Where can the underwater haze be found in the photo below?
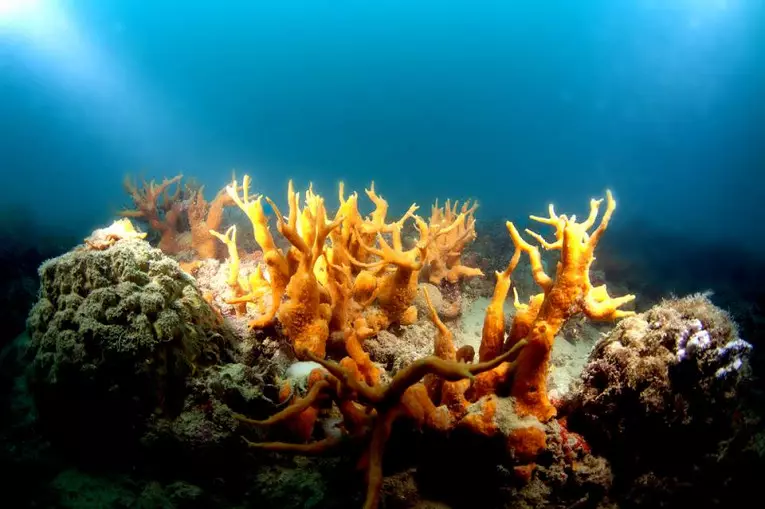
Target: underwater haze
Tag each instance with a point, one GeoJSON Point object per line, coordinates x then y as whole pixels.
{"type": "Point", "coordinates": [515, 104]}
{"type": "Point", "coordinates": [503, 353]}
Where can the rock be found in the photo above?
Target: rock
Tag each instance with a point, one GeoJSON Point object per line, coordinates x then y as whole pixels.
{"type": "Point", "coordinates": [115, 335]}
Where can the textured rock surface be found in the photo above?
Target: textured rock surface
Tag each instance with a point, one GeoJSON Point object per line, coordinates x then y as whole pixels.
{"type": "Point", "coordinates": [114, 336]}
{"type": "Point", "coordinates": [661, 397]}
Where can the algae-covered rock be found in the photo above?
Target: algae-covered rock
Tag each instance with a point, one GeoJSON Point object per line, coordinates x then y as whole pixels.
{"type": "Point", "coordinates": [673, 369]}
{"type": "Point", "coordinates": [662, 397]}
{"type": "Point", "coordinates": [116, 333]}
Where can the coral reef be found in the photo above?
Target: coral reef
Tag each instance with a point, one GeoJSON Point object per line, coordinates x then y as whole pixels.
{"type": "Point", "coordinates": [246, 366]}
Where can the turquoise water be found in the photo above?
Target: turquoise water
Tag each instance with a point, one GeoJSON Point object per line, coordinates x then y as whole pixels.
{"type": "Point", "coordinates": [514, 105]}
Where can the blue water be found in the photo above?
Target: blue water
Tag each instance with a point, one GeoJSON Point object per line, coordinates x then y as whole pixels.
{"type": "Point", "coordinates": [513, 103]}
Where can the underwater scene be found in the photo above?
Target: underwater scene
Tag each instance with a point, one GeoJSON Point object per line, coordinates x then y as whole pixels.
{"type": "Point", "coordinates": [384, 254]}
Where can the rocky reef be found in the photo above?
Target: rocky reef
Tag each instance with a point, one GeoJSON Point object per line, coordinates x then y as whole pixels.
{"type": "Point", "coordinates": [115, 337]}
{"type": "Point", "coordinates": [664, 397]}
{"type": "Point", "coordinates": [347, 364]}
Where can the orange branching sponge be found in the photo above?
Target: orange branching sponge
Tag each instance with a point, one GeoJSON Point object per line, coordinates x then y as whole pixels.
{"type": "Point", "coordinates": [354, 336]}
{"type": "Point", "coordinates": [344, 240]}
{"type": "Point", "coordinates": [445, 255]}
{"type": "Point", "coordinates": [570, 292]}
{"type": "Point", "coordinates": [336, 279]}
{"type": "Point", "coordinates": [365, 288]}
{"type": "Point", "coordinates": [395, 290]}
{"type": "Point", "coordinates": [493, 334]}
{"type": "Point", "coordinates": [251, 289]}
{"type": "Point", "coordinates": [392, 279]}
{"type": "Point", "coordinates": [441, 392]}
{"type": "Point", "coordinates": [163, 210]}
{"type": "Point", "coordinates": [229, 239]}
{"type": "Point", "coordinates": [277, 264]}
{"type": "Point", "coordinates": [306, 312]}
{"type": "Point", "coordinates": [368, 229]}
{"type": "Point", "coordinates": [204, 217]}
{"type": "Point", "coordinates": [330, 277]}
{"type": "Point", "coordinates": [300, 416]}
{"type": "Point", "coordinates": [162, 217]}
{"type": "Point", "coordinates": [353, 243]}
{"type": "Point", "coordinates": [370, 412]}
{"type": "Point", "coordinates": [525, 314]}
